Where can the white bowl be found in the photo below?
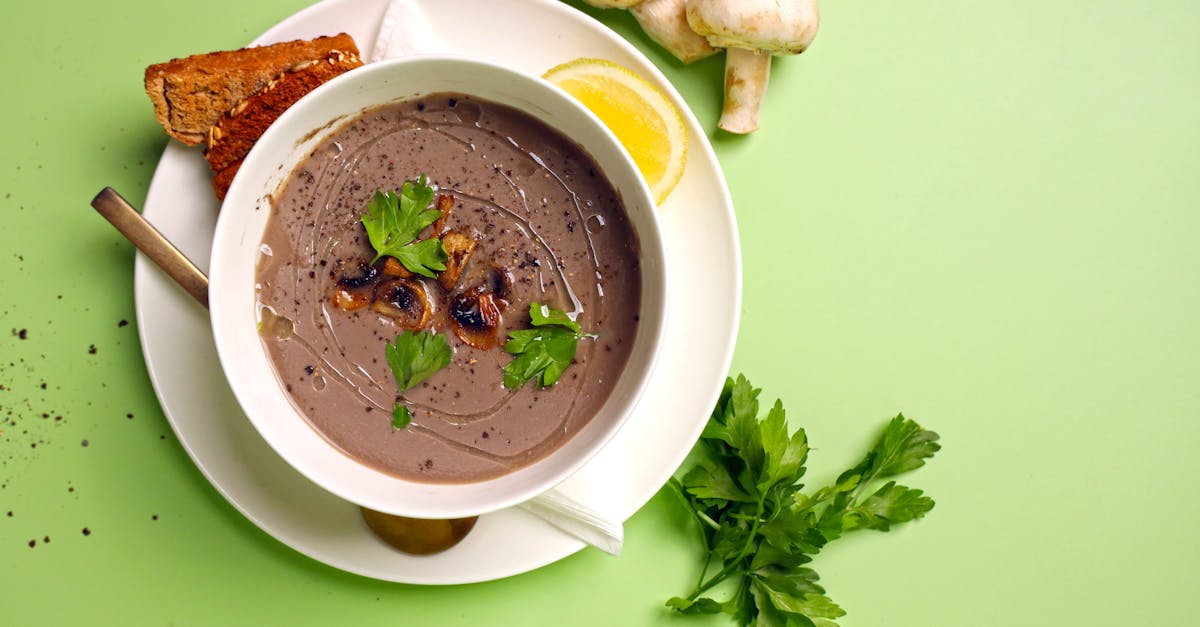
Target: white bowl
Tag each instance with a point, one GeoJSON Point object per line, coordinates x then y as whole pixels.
{"type": "Point", "coordinates": [235, 255]}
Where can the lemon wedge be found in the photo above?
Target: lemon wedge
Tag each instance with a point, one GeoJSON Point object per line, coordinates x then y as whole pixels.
{"type": "Point", "coordinates": [641, 116]}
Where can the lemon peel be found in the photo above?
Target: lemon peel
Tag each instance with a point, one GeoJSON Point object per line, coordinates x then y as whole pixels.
{"type": "Point", "coordinates": [644, 119]}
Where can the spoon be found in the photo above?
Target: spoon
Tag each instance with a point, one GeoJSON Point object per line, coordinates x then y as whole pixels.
{"type": "Point", "coordinates": [410, 535]}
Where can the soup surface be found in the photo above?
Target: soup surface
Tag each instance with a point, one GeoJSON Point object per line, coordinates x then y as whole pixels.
{"type": "Point", "coordinates": [548, 228]}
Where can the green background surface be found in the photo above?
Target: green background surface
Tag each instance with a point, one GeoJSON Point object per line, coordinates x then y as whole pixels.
{"type": "Point", "coordinates": [981, 214]}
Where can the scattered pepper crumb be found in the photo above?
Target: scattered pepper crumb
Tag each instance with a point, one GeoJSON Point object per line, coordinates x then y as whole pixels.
{"type": "Point", "coordinates": [87, 532]}
{"type": "Point", "coordinates": [119, 324]}
{"type": "Point", "coordinates": [92, 349]}
{"type": "Point", "coordinates": [84, 443]}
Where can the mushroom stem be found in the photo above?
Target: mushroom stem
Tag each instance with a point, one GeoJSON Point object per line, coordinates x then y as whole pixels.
{"type": "Point", "coordinates": [665, 21]}
{"type": "Point", "coordinates": [746, 75]}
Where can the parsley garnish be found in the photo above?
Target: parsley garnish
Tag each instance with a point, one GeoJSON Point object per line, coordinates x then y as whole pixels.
{"type": "Point", "coordinates": [415, 356]}
{"type": "Point", "coordinates": [544, 351]}
{"type": "Point", "coordinates": [757, 524]}
{"type": "Point", "coordinates": [543, 315]}
{"type": "Point", "coordinates": [401, 416]}
{"type": "Point", "coordinates": [393, 221]}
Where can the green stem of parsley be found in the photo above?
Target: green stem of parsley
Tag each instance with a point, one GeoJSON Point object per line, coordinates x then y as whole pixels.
{"type": "Point", "coordinates": [725, 572]}
{"type": "Point", "coordinates": [702, 518]}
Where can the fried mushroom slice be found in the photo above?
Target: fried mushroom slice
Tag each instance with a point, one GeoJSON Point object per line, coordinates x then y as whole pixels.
{"type": "Point", "coordinates": [366, 275]}
{"type": "Point", "coordinates": [350, 300]}
{"type": "Point", "coordinates": [403, 300]}
{"type": "Point", "coordinates": [459, 247]}
{"type": "Point", "coordinates": [393, 267]}
{"type": "Point", "coordinates": [475, 319]}
{"type": "Point", "coordinates": [498, 281]}
{"type": "Point", "coordinates": [445, 203]}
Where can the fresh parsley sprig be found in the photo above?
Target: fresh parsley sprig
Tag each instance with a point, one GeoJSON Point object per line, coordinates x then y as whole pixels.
{"type": "Point", "coordinates": [393, 221]}
{"type": "Point", "coordinates": [413, 358]}
{"type": "Point", "coordinates": [416, 355]}
{"type": "Point", "coordinates": [544, 351]}
{"type": "Point", "coordinates": [745, 492]}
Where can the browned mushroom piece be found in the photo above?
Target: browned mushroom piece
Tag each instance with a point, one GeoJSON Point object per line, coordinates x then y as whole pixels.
{"type": "Point", "coordinates": [475, 319]}
{"type": "Point", "coordinates": [499, 282]}
{"type": "Point", "coordinates": [403, 300]}
{"type": "Point", "coordinates": [459, 247]}
{"type": "Point", "coordinates": [445, 203]}
{"type": "Point", "coordinates": [366, 275]}
{"type": "Point", "coordinates": [417, 536]}
{"type": "Point", "coordinates": [393, 267]}
{"type": "Point", "coordinates": [350, 300]}
{"type": "Point", "coordinates": [488, 278]}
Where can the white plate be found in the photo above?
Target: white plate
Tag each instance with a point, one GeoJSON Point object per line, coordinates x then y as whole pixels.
{"type": "Point", "coordinates": [701, 241]}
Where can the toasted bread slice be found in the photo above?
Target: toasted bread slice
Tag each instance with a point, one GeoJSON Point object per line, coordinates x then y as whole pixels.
{"type": "Point", "coordinates": [235, 133]}
{"type": "Point", "coordinates": [192, 93]}
{"type": "Point", "coordinates": [239, 128]}
{"type": "Point", "coordinates": [222, 179]}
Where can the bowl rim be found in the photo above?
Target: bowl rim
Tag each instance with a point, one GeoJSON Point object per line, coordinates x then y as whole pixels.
{"type": "Point", "coordinates": [500, 491]}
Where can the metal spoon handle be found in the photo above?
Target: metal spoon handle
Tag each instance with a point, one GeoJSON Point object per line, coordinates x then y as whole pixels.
{"type": "Point", "coordinates": [153, 244]}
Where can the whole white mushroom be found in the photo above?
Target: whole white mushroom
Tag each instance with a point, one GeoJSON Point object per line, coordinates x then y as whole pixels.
{"type": "Point", "coordinates": [751, 31]}
{"type": "Point", "coordinates": [665, 21]}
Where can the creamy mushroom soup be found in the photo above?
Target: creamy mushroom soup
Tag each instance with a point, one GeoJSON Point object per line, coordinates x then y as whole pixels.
{"type": "Point", "coordinates": [543, 225]}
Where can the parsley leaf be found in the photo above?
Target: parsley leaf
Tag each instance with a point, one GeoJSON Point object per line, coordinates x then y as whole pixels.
{"type": "Point", "coordinates": [401, 416]}
{"type": "Point", "coordinates": [393, 221]}
{"type": "Point", "coordinates": [759, 527]}
{"type": "Point", "coordinates": [544, 315]}
{"type": "Point", "coordinates": [415, 356]}
{"type": "Point", "coordinates": [423, 257]}
{"type": "Point", "coordinates": [544, 351]}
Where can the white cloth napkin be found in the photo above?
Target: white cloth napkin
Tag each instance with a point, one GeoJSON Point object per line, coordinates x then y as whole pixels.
{"type": "Point", "coordinates": [405, 29]}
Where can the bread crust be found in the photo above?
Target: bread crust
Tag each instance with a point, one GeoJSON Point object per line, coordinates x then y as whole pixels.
{"type": "Point", "coordinates": [191, 94]}
{"type": "Point", "coordinates": [237, 130]}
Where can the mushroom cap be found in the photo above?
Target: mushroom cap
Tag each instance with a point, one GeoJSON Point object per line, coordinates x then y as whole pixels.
{"type": "Point", "coordinates": [613, 4]}
{"type": "Point", "coordinates": [772, 26]}
{"type": "Point", "coordinates": [665, 21]}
